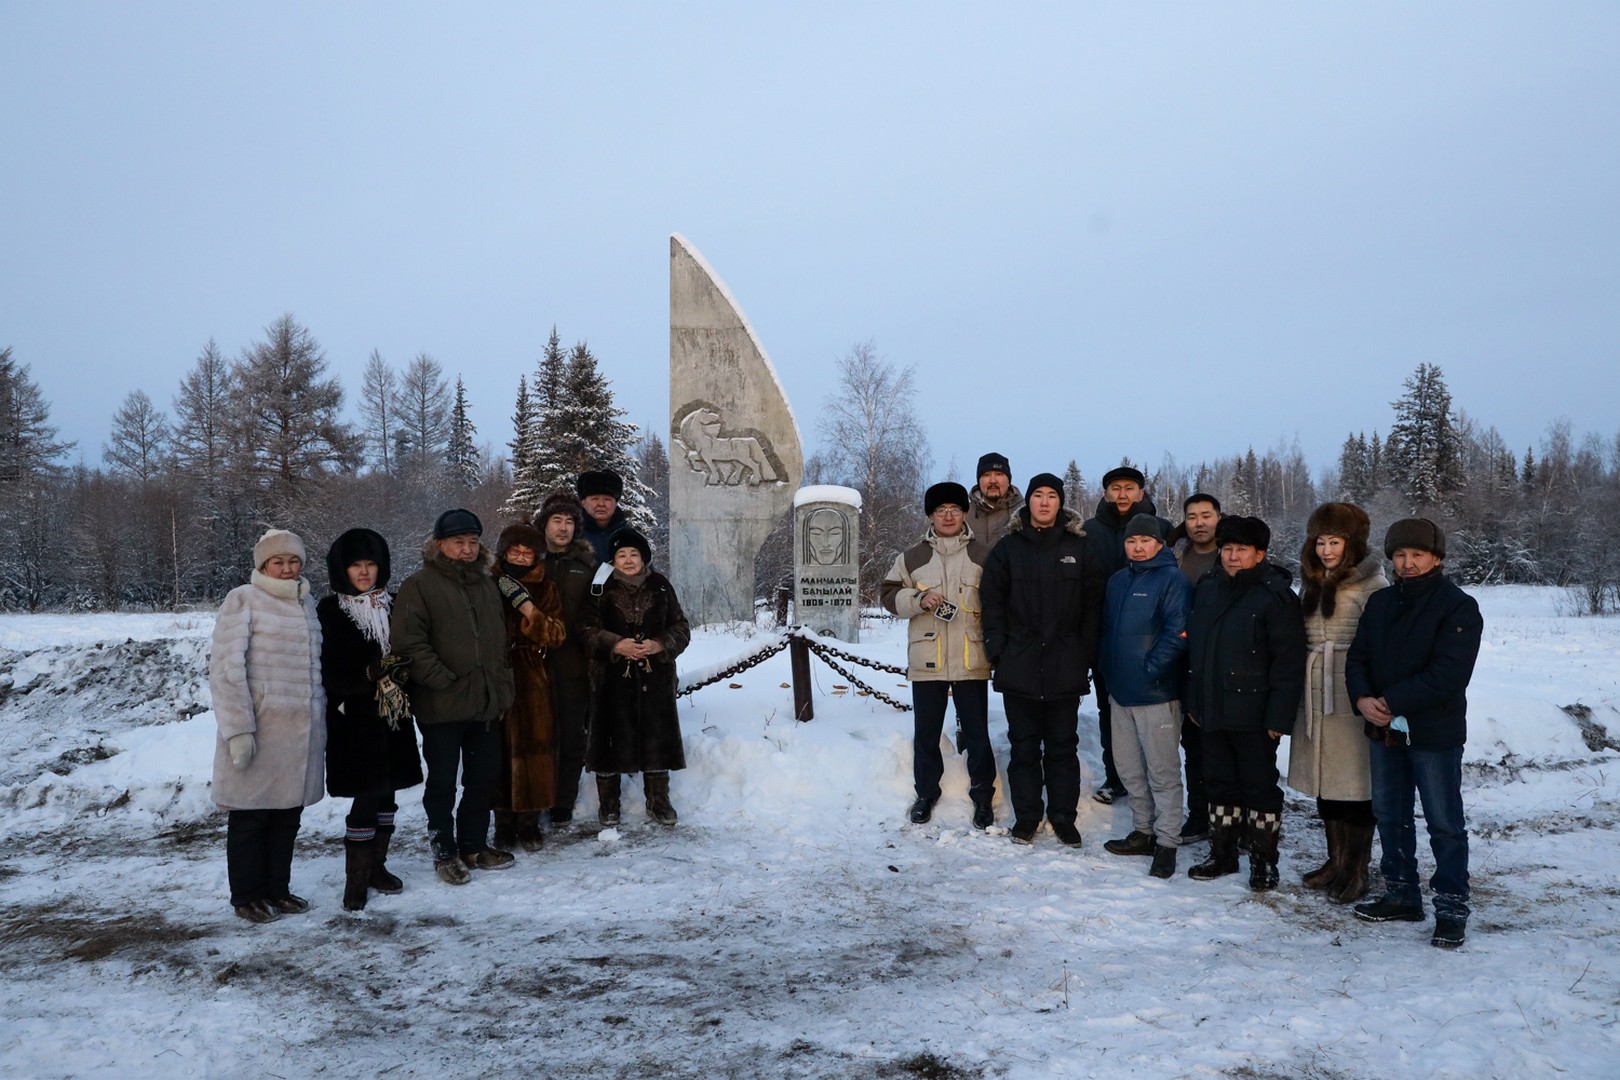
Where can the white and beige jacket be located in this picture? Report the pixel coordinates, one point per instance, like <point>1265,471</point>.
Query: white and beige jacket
<point>937,649</point>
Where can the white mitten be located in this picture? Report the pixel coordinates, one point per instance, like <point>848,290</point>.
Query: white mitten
<point>242,748</point>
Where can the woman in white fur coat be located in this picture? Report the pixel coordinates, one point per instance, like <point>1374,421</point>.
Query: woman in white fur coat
<point>269,760</point>
<point>1328,755</point>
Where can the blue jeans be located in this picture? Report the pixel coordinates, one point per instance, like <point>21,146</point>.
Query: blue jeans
<point>972,697</point>
<point>1436,777</point>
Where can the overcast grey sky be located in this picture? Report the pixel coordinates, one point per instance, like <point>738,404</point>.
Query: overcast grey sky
<point>1095,229</point>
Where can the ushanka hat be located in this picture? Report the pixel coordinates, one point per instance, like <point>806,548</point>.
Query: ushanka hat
<point>560,502</point>
<point>943,494</point>
<point>1236,529</point>
<point>277,542</point>
<point>1420,533</point>
<point>602,482</point>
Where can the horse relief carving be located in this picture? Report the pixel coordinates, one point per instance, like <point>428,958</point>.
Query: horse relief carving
<point>727,460</point>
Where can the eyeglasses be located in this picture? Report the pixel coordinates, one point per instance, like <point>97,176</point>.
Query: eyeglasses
<point>948,511</point>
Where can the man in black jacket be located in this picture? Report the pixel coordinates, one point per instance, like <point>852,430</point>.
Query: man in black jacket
<point>1042,597</point>
<point>1407,672</point>
<point>1124,497</point>
<point>570,564</point>
<point>1246,651</point>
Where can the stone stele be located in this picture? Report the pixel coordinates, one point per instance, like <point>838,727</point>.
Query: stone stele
<point>734,458</point>
<point>827,560</point>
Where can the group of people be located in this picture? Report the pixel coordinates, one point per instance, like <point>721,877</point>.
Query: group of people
<point>1202,659</point>
<point>520,668</point>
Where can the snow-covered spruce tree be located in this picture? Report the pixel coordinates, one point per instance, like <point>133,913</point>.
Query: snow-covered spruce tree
<point>1243,495</point>
<point>30,515</point>
<point>1354,470</point>
<point>463,463</point>
<point>1423,453</point>
<point>527,494</point>
<point>1074,487</point>
<point>551,448</point>
<point>582,429</point>
<point>652,468</point>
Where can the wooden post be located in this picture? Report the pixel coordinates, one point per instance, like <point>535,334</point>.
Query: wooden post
<point>799,661</point>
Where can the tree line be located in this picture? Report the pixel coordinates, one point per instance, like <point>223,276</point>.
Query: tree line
<point>261,439</point>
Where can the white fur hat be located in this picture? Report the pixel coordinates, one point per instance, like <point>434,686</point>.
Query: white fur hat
<point>276,542</point>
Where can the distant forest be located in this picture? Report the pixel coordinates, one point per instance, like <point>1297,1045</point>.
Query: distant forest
<point>263,439</point>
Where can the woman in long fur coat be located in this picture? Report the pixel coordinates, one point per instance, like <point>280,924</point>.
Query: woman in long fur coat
<point>1328,756</point>
<point>369,756</point>
<point>634,633</point>
<point>528,780</point>
<point>264,674</point>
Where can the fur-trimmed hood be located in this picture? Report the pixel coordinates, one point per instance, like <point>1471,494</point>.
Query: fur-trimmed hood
<point>1071,521</point>
<point>988,505</point>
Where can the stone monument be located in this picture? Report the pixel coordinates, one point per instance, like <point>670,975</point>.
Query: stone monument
<point>734,456</point>
<point>827,560</point>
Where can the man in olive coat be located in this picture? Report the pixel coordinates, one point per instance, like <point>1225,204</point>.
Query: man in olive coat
<point>448,621</point>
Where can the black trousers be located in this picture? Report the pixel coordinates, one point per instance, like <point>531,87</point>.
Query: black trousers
<point>1240,769</point>
<point>1192,744</point>
<point>259,853</point>
<point>361,821</point>
<point>1105,726</point>
<point>972,697</point>
<point>571,704</point>
<point>1355,812</point>
<point>476,748</point>
<point>1045,738</point>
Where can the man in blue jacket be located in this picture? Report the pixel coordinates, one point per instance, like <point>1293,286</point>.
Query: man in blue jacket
<point>1408,672</point>
<point>1143,658</point>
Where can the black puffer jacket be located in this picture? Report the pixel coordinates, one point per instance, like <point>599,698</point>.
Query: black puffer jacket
<point>1246,651</point>
<point>1106,532</point>
<point>1415,647</point>
<point>1042,595</point>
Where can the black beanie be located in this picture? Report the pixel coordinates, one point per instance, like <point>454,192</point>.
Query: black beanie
<point>457,522</point>
<point>1235,529</point>
<point>605,482</point>
<point>1124,472</point>
<point>994,462</point>
<point>1420,533</point>
<point>940,494</point>
<point>1144,525</point>
<point>1045,479</point>
<point>628,537</point>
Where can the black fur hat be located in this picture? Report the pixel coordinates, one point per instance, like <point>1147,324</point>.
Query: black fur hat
<point>940,494</point>
<point>628,537</point>
<point>1236,529</point>
<point>350,548</point>
<point>559,502</point>
<point>603,482</point>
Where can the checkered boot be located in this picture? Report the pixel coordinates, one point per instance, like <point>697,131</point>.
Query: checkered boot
<point>1223,842</point>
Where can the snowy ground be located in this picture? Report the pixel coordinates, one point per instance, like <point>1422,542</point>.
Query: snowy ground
<point>792,924</point>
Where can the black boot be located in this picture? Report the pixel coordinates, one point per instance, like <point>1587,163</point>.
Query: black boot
<point>1223,844</point>
<point>358,857</point>
<point>1351,884</point>
<point>607,797</point>
<point>381,879</point>
<point>1164,861</point>
<point>1265,836</point>
<point>505,830</point>
<point>983,816</point>
<point>656,785</point>
<point>527,828</point>
<point>1325,875</point>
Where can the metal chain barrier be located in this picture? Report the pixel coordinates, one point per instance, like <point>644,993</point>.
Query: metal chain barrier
<point>737,668</point>
<point>823,650</point>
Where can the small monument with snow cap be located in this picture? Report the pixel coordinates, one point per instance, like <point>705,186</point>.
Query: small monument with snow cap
<point>734,454</point>
<point>827,560</point>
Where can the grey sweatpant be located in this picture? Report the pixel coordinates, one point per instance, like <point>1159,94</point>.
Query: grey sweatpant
<point>1147,753</point>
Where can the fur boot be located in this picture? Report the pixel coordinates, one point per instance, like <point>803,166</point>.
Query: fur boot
<point>658,804</point>
<point>505,830</point>
<point>1324,876</point>
<point>1265,836</point>
<point>381,879</point>
<point>607,795</point>
<point>358,857</point>
<point>1224,823</point>
<point>1351,884</point>
<point>527,827</point>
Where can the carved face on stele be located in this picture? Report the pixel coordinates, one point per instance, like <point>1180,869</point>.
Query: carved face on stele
<point>826,538</point>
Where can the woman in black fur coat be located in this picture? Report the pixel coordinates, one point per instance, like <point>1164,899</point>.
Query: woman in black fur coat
<point>633,634</point>
<point>369,756</point>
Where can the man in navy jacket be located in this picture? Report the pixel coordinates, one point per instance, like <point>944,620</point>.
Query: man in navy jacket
<point>1407,672</point>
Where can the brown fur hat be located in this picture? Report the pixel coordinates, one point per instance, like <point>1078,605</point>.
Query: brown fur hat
<point>560,502</point>
<point>1321,585</point>
<point>527,535</point>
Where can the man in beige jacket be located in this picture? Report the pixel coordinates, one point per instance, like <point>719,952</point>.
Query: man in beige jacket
<point>935,584</point>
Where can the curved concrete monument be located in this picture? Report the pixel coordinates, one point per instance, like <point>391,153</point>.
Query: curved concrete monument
<point>735,458</point>
<point>827,560</point>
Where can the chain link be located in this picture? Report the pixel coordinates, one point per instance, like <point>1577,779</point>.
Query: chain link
<point>737,668</point>
<point>820,646</point>
<point>822,651</point>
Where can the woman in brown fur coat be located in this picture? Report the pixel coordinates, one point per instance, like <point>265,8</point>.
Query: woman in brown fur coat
<point>1328,753</point>
<point>528,778</point>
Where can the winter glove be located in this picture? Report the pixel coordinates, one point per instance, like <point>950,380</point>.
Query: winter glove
<point>392,704</point>
<point>242,748</point>
<point>515,594</point>
<point>394,667</point>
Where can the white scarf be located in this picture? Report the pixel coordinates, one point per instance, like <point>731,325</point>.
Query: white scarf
<point>369,612</point>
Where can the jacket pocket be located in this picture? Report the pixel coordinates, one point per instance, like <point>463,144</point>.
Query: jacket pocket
<point>923,653</point>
